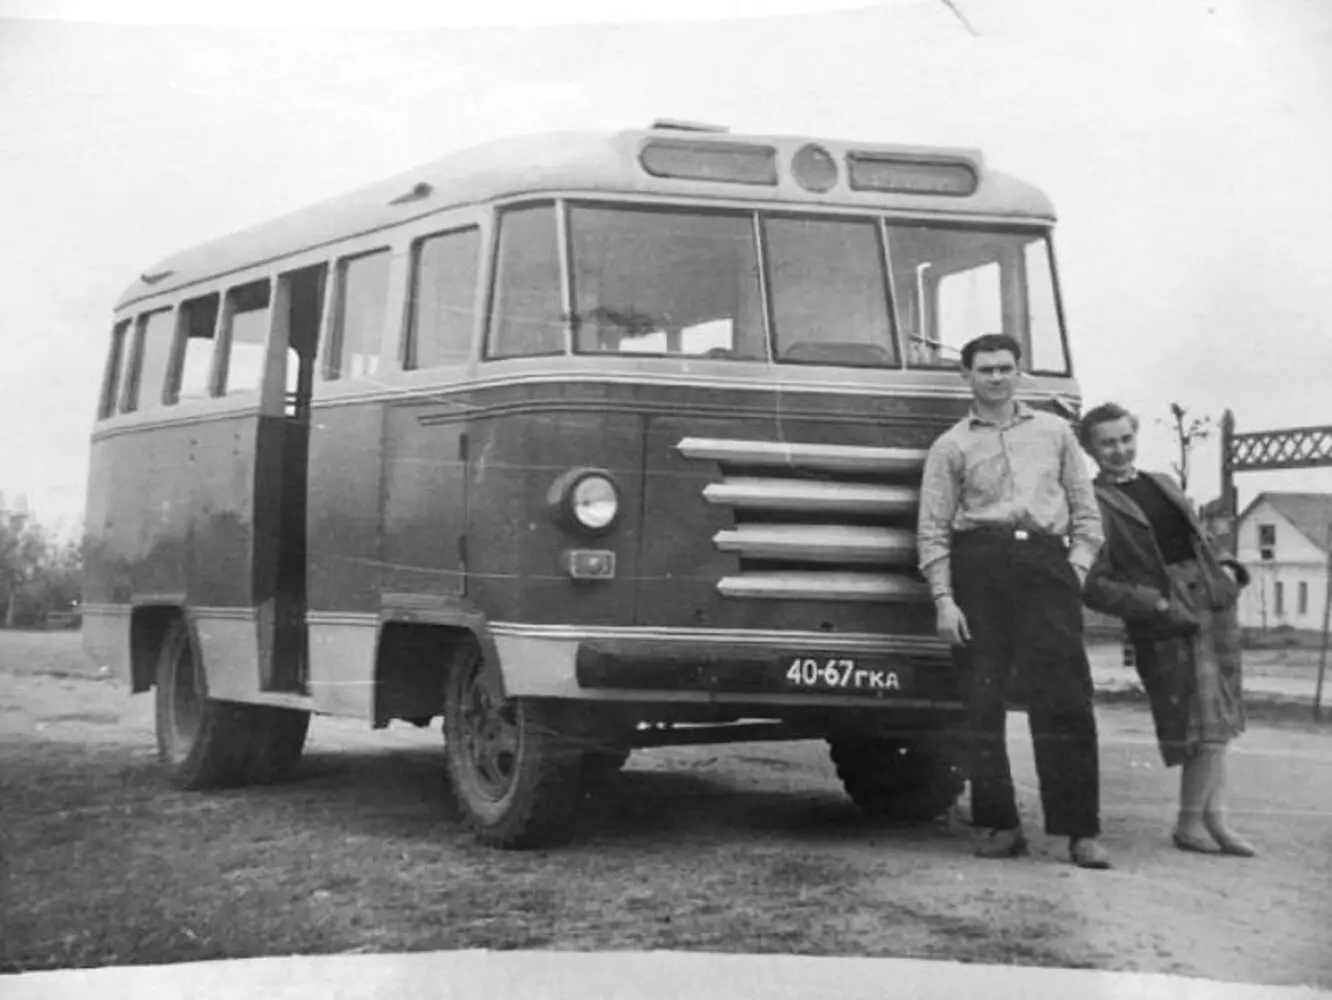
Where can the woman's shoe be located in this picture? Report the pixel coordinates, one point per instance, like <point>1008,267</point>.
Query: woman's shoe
<point>1192,842</point>
<point>1228,842</point>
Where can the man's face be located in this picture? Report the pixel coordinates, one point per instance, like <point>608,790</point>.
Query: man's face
<point>1114,445</point>
<point>992,376</point>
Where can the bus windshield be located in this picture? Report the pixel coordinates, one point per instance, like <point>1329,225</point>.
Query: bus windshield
<point>689,282</point>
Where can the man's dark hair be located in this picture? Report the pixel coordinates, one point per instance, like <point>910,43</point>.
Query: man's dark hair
<point>1103,414</point>
<point>990,342</point>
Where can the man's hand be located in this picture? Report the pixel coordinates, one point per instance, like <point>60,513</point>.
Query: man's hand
<point>952,623</point>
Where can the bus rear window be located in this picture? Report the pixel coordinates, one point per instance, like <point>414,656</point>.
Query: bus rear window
<point>198,323</point>
<point>526,306</point>
<point>152,354</point>
<point>247,333</point>
<point>115,363</point>
<point>665,282</point>
<point>829,291</point>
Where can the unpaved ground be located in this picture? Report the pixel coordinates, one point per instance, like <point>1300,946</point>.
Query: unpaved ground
<point>744,848</point>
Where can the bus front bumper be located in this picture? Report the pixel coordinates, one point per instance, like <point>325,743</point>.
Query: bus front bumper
<point>654,665</point>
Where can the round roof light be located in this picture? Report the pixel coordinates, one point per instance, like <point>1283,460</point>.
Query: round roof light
<point>814,168</point>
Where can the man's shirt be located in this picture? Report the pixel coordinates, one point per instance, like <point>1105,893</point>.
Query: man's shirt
<point>1027,473</point>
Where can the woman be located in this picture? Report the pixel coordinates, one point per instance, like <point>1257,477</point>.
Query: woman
<point>1159,573</point>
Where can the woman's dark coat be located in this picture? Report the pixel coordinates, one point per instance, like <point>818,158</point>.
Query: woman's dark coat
<point>1127,580</point>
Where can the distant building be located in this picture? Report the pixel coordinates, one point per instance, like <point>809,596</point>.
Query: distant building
<point>1283,539</point>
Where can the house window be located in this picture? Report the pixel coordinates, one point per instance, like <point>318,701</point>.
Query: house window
<point>1280,598</point>
<point>1267,542</point>
<point>1304,598</point>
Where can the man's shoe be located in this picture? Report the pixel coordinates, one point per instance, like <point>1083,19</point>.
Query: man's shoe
<point>1088,852</point>
<point>1000,843</point>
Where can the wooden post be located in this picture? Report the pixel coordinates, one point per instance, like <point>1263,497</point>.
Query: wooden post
<point>1327,620</point>
<point>1228,505</point>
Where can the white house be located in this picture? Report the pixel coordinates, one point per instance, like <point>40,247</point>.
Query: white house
<point>1283,539</point>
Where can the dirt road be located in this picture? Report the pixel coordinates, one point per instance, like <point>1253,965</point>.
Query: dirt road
<point>745,848</point>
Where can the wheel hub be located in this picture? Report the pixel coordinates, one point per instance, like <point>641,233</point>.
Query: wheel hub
<point>490,736</point>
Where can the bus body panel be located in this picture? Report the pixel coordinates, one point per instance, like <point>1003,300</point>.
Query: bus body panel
<point>345,563</point>
<point>424,504</point>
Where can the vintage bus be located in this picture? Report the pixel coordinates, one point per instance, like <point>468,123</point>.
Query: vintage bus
<point>581,443</point>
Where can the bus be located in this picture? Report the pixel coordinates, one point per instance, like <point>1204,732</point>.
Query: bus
<point>577,443</point>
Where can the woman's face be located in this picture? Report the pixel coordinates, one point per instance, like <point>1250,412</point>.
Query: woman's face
<point>1114,445</point>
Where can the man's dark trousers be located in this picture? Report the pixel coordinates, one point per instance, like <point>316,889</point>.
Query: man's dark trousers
<point>1023,606</point>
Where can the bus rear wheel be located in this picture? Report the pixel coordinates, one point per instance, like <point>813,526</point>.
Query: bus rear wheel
<point>207,743</point>
<point>515,770</point>
<point>895,778</point>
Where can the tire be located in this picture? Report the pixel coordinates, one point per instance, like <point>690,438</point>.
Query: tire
<point>601,765</point>
<point>278,742</point>
<point>515,770</point>
<point>910,781</point>
<point>206,743</point>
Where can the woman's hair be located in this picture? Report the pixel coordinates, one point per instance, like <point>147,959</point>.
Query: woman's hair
<point>1102,414</point>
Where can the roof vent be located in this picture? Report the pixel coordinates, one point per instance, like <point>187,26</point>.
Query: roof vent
<point>417,193</point>
<point>675,125</point>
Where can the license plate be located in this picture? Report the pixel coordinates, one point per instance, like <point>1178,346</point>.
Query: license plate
<point>854,675</point>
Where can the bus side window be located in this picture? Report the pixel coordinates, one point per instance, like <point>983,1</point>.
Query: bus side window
<point>192,371</point>
<point>245,332</point>
<point>115,363</point>
<point>358,317</point>
<point>145,387</point>
<point>443,297</point>
<point>526,307</point>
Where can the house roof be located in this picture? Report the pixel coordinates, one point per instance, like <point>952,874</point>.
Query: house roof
<point>1310,513</point>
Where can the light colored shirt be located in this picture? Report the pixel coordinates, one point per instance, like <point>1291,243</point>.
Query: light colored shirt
<point>1027,473</point>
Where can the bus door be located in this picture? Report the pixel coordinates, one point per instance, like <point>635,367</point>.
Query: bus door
<point>282,475</point>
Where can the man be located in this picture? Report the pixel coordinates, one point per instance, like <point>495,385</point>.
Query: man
<point>1008,529</point>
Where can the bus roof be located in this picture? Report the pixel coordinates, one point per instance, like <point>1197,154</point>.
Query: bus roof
<point>582,162</point>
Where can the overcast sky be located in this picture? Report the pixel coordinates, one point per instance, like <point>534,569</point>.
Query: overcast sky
<point>1185,144</point>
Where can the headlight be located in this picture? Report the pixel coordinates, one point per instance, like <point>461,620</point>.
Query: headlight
<point>585,501</point>
<point>594,502</point>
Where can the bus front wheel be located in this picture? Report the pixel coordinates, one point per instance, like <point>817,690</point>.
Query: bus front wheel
<point>207,743</point>
<point>901,779</point>
<point>514,767</point>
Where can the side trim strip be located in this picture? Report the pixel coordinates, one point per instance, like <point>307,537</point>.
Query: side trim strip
<point>922,645</point>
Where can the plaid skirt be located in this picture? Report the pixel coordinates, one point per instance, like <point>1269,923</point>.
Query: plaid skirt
<point>1193,682</point>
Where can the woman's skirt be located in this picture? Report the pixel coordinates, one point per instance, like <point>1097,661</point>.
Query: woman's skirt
<point>1193,682</point>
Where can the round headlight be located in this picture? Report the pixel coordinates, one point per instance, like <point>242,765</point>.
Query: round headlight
<point>594,502</point>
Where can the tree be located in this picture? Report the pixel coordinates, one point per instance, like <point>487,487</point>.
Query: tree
<point>1188,433</point>
<point>23,550</point>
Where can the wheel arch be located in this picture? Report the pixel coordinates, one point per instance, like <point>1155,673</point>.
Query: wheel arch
<point>412,660</point>
<point>149,625</point>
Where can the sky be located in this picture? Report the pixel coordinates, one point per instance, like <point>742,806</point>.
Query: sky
<point>1184,144</point>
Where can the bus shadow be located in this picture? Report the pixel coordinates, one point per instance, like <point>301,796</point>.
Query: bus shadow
<point>407,793</point>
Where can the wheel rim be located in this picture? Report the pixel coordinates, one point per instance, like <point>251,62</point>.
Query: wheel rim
<point>490,735</point>
<point>185,704</point>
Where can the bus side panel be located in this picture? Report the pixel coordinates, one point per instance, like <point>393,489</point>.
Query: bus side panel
<point>515,544</point>
<point>344,517</point>
<point>425,514</point>
<point>222,468</point>
<point>140,545</point>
